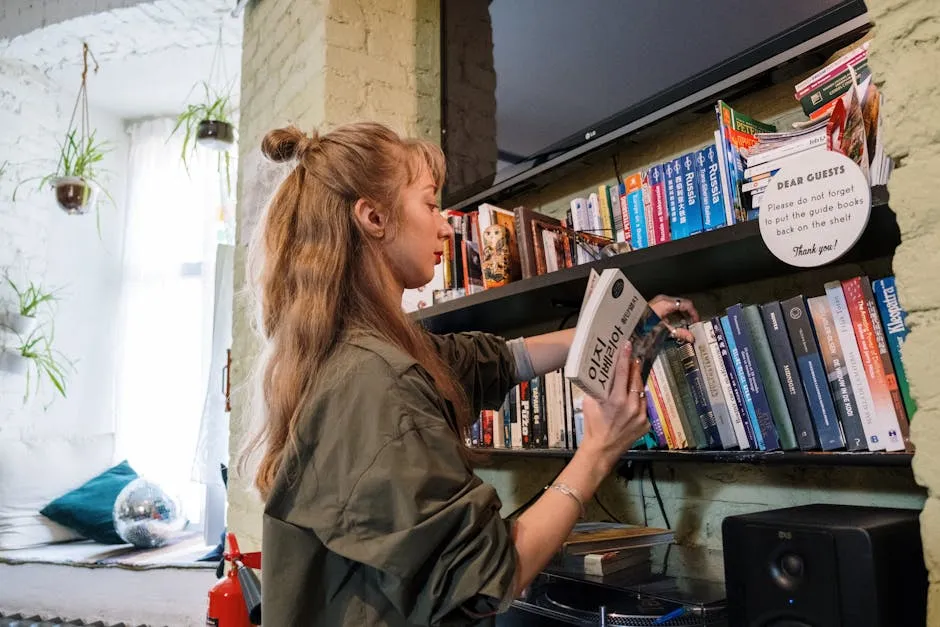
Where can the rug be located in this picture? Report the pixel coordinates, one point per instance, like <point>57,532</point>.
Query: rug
<point>180,553</point>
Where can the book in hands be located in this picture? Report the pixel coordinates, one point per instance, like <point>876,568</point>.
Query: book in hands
<point>614,312</point>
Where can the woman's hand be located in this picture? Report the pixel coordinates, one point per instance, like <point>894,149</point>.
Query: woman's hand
<point>665,305</point>
<point>611,426</point>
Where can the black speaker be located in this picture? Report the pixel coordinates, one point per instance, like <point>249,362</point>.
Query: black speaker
<point>825,566</point>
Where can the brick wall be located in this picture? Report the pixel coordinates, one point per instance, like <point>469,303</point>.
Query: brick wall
<point>22,16</point>
<point>905,55</point>
<point>318,64</point>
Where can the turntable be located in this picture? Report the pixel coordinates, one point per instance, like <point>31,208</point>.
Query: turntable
<point>627,599</point>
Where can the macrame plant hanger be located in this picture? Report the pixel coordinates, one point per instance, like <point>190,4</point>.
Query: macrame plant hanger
<point>74,193</point>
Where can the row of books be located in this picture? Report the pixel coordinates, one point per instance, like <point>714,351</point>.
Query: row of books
<point>819,373</point>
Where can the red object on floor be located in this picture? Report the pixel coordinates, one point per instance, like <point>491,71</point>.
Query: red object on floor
<point>227,604</point>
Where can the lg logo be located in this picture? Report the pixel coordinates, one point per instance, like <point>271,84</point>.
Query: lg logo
<point>590,135</point>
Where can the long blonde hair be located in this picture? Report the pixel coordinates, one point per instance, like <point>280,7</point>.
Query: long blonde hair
<point>319,276</point>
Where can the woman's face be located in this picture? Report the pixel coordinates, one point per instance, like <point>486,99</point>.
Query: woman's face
<point>418,244</point>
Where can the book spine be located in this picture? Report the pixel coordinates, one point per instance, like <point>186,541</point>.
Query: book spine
<point>693,196</point>
<point>655,390</point>
<point>893,319</point>
<point>669,172</point>
<point>637,213</point>
<point>616,217</point>
<point>693,375</point>
<point>813,141</point>
<point>655,421</point>
<point>882,399</point>
<point>508,408</point>
<point>725,181</point>
<point>660,207</point>
<point>648,208</point>
<point>735,400</point>
<point>687,412</point>
<point>713,194</point>
<point>603,208</point>
<point>741,375</point>
<point>813,375</point>
<point>713,392</point>
<point>875,432</point>
<point>538,412</point>
<point>668,392</point>
<point>525,414</point>
<point>476,431</point>
<point>842,386</point>
<point>595,213</point>
<point>773,389</point>
<point>624,213</point>
<point>738,435</point>
<point>749,361</point>
<point>890,376</point>
<point>682,212</point>
<point>788,373</point>
<point>488,428</point>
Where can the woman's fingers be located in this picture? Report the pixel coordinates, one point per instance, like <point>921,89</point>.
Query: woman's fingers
<point>618,392</point>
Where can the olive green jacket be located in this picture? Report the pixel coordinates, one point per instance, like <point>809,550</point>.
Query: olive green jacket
<point>375,519</point>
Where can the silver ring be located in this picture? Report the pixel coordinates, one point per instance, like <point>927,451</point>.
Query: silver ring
<point>640,393</point>
<point>678,304</point>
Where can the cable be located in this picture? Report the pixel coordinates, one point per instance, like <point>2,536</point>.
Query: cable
<point>607,511</point>
<point>617,170</point>
<point>534,497</point>
<point>646,520</point>
<point>659,499</point>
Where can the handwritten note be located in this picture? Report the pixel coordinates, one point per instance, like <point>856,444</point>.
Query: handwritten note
<point>814,211</point>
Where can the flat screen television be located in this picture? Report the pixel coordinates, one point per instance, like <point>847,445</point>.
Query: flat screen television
<point>530,84</point>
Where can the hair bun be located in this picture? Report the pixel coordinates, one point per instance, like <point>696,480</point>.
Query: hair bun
<point>286,144</point>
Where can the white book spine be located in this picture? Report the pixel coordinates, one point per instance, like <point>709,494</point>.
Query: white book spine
<point>668,396</point>
<point>713,391</point>
<point>515,428</point>
<point>875,431</point>
<point>737,422</point>
<point>804,143</point>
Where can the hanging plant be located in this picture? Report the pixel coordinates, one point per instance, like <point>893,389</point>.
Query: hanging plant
<point>39,360</point>
<point>29,300</point>
<point>208,123</point>
<point>76,179</point>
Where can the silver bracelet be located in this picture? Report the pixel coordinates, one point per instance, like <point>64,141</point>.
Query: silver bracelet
<point>565,489</point>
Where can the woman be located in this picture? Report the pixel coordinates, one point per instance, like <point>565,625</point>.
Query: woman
<point>373,515</point>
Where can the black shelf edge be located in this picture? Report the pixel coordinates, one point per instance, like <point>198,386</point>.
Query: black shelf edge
<point>727,256</point>
<point>792,458</point>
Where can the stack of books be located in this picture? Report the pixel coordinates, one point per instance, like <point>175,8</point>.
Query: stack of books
<point>600,548</point>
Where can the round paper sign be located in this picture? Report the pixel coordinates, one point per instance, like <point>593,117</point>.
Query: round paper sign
<point>813,211</point>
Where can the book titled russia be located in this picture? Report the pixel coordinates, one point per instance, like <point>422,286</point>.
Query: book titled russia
<point>614,312</point>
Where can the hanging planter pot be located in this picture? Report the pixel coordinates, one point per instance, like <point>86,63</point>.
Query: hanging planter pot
<point>17,323</point>
<point>12,361</point>
<point>215,134</point>
<point>74,194</point>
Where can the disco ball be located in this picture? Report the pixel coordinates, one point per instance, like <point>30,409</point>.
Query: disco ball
<point>145,515</point>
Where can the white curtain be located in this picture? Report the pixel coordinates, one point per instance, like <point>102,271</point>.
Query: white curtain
<point>176,220</point>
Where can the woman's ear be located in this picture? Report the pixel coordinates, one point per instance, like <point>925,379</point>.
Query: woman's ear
<point>372,220</point>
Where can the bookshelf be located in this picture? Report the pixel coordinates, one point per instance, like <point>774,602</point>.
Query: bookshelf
<point>723,257</point>
<point>727,256</point>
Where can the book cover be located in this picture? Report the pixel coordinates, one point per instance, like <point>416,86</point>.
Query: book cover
<point>724,387</point>
<point>594,537</point>
<point>883,401</point>
<point>753,381</point>
<point>755,433</point>
<point>876,431</point>
<point>614,313</point>
<point>669,171</point>
<point>813,375</point>
<point>636,210</point>
<point>733,397</point>
<point>659,207</point>
<point>693,194</point>
<point>788,373</point>
<point>713,204</point>
<point>894,323</point>
<point>773,390</point>
<point>713,392</point>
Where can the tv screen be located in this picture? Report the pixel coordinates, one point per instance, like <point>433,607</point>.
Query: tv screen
<point>528,80</point>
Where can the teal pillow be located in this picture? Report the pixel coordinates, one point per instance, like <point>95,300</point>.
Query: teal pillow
<point>88,508</point>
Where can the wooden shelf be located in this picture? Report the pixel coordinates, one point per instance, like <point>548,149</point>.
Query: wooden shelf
<point>727,256</point>
<point>796,458</point>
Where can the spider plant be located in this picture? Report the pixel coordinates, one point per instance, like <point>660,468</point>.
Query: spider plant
<point>29,299</point>
<point>45,362</point>
<point>208,123</point>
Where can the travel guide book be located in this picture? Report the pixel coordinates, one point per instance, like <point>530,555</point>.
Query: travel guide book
<point>612,313</point>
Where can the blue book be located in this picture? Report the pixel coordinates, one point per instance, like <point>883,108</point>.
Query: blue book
<point>682,213</point>
<point>739,373</point>
<point>693,193</point>
<point>728,362</point>
<point>742,339</point>
<point>717,214</point>
<point>476,429</point>
<point>669,170</point>
<point>813,376</point>
<point>637,212</point>
<point>509,406</point>
<point>893,318</point>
